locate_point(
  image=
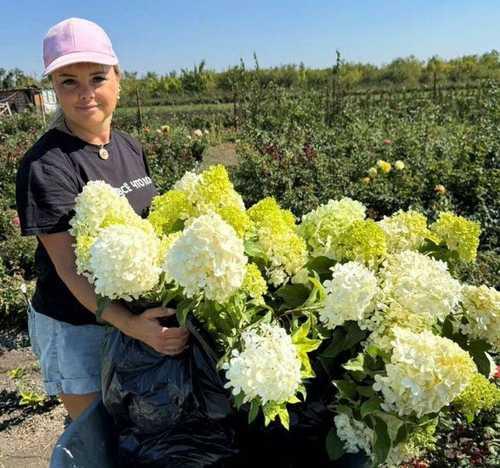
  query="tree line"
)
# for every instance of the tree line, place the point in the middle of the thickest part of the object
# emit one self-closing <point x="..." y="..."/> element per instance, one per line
<point x="200" y="83"/>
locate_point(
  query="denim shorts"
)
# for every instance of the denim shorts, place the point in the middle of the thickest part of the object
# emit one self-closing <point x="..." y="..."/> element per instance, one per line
<point x="69" y="355"/>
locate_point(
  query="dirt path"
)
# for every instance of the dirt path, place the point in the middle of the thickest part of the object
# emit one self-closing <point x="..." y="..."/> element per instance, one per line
<point x="27" y="434"/>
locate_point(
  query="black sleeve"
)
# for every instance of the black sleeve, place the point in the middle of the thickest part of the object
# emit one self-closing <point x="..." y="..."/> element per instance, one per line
<point x="45" y="196"/>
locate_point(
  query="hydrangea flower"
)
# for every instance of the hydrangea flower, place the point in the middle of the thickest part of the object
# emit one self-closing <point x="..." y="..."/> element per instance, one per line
<point x="323" y="227"/>
<point x="208" y="258"/>
<point x="267" y="366"/>
<point x="237" y="218"/>
<point x="350" y="294"/>
<point x="97" y="206"/>
<point x="425" y="374"/>
<point x="214" y="190"/>
<point x="405" y="230"/>
<point x="354" y="434"/>
<point x="420" y="284"/>
<point x="187" y="183"/>
<point x="124" y="261"/>
<point x="363" y="241"/>
<point x="170" y="211"/>
<point x="459" y="234"/>
<point x="482" y="309"/>
<point x="480" y="395"/>
<point x="254" y="285"/>
<point x="275" y="233"/>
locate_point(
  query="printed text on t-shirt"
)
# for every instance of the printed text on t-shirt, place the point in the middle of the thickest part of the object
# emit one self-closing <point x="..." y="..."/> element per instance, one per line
<point x="135" y="184"/>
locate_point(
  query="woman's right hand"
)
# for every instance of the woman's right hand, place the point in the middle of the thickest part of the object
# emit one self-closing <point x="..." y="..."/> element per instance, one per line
<point x="146" y="328"/>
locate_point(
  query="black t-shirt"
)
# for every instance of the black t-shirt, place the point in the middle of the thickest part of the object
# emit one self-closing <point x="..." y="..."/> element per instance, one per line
<point x="51" y="174"/>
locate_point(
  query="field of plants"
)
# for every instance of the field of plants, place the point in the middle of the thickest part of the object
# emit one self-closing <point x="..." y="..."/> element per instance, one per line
<point x="431" y="152"/>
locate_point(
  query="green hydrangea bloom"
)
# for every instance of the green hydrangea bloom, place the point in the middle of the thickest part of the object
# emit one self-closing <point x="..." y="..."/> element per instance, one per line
<point x="237" y="218"/>
<point x="422" y="439"/>
<point x="277" y="237"/>
<point x="364" y="241"/>
<point x="480" y="395"/>
<point x="214" y="190"/>
<point x="323" y="227"/>
<point x="169" y="212"/>
<point x="254" y="285"/>
<point x="459" y="234"/>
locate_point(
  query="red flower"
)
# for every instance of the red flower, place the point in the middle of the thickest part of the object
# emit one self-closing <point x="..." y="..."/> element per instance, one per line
<point x="497" y="373"/>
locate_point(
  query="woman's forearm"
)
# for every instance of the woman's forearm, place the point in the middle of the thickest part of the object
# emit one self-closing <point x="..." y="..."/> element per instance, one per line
<point x="115" y="314"/>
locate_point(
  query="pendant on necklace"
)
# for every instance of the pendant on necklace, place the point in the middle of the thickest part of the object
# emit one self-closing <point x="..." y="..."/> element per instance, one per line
<point x="103" y="153"/>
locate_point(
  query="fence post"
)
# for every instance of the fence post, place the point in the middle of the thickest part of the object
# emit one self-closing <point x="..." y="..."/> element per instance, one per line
<point x="139" y="109"/>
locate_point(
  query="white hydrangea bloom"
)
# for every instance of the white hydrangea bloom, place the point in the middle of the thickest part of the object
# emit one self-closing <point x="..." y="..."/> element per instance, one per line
<point x="420" y="284"/>
<point x="405" y="230"/>
<point x="350" y="294"/>
<point x="268" y="366"/>
<point x="323" y="227"/>
<point x="482" y="308"/>
<point x="99" y="205"/>
<point x="124" y="261"/>
<point x="355" y="434"/>
<point x="187" y="183"/>
<point x="208" y="258"/>
<point x="426" y="373"/>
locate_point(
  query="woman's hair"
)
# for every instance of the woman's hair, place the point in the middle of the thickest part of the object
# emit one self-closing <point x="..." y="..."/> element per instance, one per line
<point x="57" y="120"/>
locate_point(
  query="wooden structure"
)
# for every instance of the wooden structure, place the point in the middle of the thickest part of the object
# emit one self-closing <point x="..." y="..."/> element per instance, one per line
<point x="20" y="99"/>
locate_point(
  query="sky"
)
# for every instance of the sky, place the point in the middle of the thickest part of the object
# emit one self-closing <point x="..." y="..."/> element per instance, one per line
<point x="167" y="35"/>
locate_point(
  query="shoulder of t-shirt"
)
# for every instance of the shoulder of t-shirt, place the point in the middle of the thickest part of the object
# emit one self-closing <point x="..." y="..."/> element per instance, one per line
<point x="48" y="151"/>
<point x="129" y="140"/>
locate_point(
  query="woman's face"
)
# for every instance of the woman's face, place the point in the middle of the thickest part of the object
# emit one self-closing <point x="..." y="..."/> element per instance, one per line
<point x="87" y="93"/>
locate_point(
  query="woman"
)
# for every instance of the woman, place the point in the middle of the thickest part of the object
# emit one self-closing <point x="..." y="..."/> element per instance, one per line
<point x="80" y="146"/>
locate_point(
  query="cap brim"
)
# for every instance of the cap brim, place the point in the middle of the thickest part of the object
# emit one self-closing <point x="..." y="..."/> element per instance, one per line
<point x="79" y="57"/>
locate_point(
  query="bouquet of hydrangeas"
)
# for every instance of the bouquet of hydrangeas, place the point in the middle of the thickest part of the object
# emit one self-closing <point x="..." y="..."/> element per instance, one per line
<point x="373" y="303"/>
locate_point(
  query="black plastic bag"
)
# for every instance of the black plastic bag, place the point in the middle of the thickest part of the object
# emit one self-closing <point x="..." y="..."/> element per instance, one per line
<point x="168" y="411"/>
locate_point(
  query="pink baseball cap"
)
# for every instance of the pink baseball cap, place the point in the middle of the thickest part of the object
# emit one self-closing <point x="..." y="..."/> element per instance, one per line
<point x="76" y="40"/>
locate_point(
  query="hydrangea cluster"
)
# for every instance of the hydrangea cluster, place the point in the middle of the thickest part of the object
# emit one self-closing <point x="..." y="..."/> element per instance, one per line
<point x="354" y="434"/>
<point x="275" y="231"/>
<point x="187" y="183"/>
<point x="170" y="211"/>
<point x="416" y="292"/>
<point x="350" y="294"/>
<point x="420" y="284"/>
<point x="480" y="395"/>
<point x="482" y="309"/>
<point x="421" y="440"/>
<point x="199" y="194"/>
<point x="405" y="230"/>
<point x="208" y="258"/>
<point x="99" y="205"/>
<point x="267" y="367"/>
<point x="426" y="373"/>
<point x="211" y="190"/>
<point x="323" y="227"/>
<point x="459" y="234"/>
<point x="363" y="241"/>
<point x="254" y="285"/>
<point x="124" y="261"/>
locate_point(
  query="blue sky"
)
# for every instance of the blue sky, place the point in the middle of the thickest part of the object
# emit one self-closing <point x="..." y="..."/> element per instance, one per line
<point x="169" y="35"/>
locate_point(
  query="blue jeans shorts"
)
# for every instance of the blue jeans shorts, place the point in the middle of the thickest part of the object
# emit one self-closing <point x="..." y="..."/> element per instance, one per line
<point x="69" y="355"/>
